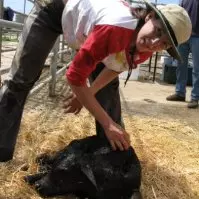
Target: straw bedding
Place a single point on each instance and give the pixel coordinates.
(169, 152)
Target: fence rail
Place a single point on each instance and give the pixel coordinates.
(10, 24)
(20, 13)
(57, 51)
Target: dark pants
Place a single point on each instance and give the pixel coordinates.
(40, 32)
(109, 99)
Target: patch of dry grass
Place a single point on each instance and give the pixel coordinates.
(42, 131)
(169, 152)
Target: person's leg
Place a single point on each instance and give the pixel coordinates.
(181, 71)
(181, 74)
(194, 43)
(39, 35)
(109, 99)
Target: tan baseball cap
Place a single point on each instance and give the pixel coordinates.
(177, 25)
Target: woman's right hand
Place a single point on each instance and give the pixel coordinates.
(117, 136)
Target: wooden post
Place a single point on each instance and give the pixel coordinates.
(1, 16)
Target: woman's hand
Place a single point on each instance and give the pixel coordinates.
(71, 104)
(117, 136)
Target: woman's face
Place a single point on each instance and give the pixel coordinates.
(152, 37)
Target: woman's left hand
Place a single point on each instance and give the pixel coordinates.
(71, 104)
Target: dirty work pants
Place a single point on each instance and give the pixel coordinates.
(40, 32)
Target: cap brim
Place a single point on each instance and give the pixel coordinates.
(173, 51)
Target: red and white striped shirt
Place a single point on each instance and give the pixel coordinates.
(103, 31)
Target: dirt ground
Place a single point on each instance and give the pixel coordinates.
(149, 100)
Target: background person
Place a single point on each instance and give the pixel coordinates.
(190, 46)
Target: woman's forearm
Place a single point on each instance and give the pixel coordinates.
(86, 95)
(117, 136)
(105, 77)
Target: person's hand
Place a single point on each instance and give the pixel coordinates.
(71, 104)
(118, 137)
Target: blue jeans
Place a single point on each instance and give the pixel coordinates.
(191, 46)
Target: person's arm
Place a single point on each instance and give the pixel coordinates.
(101, 42)
(105, 37)
(72, 105)
(105, 77)
(117, 136)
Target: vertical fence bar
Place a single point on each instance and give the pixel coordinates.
(1, 16)
(53, 68)
(155, 66)
(62, 47)
(150, 60)
(24, 7)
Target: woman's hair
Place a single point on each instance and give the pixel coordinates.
(140, 13)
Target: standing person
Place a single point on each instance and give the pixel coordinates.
(110, 37)
(190, 46)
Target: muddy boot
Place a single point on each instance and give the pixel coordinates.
(193, 104)
(175, 97)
